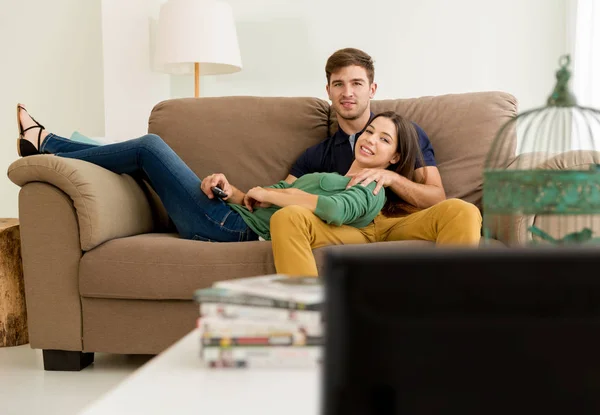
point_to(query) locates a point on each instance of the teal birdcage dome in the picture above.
(547, 191)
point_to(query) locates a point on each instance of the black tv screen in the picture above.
(462, 331)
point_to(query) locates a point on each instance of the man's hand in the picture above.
(383, 177)
(256, 197)
(217, 179)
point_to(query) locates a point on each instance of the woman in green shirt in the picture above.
(381, 145)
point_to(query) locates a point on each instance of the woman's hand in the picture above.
(256, 197)
(217, 179)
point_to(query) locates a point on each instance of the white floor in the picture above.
(26, 388)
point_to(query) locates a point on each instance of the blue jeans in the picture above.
(193, 213)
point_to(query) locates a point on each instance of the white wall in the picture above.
(86, 65)
(131, 88)
(52, 61)
(425, 47)
(586, 83)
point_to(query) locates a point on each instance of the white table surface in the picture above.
(177, 382)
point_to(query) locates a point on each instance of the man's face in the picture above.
(350, 92)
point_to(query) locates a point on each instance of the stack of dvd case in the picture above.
(267, 321)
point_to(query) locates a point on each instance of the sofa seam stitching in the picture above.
(165, 263)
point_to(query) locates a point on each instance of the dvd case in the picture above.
(263, 357)
(306, 290)
(226, 296)
(219, 327)
(236, 311)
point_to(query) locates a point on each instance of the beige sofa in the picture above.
(104, 271)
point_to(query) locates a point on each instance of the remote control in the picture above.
(218, 192)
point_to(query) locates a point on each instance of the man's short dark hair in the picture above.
(347, 57)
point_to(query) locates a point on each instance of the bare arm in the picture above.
(251, 203)
(284, 197)
(420, 195)
(237, 197)
(353, 205)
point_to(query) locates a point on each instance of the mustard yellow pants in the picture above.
(296, 231)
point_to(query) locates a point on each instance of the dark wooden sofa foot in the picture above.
(64, 360)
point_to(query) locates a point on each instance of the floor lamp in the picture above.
(199, 37)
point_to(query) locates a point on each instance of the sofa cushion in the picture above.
(165, 267)
(252, 140)
(461, 128)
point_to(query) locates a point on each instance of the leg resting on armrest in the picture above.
(64, 360)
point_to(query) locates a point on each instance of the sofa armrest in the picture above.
(107, 205)
(51, 254)
(513, 229)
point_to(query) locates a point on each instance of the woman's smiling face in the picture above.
(377, 146)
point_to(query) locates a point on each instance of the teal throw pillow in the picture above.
(77, 136)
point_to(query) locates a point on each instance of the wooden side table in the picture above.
(13, 314)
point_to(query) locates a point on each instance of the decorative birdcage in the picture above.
(542, 173)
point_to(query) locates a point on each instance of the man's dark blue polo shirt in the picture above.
(335, 154)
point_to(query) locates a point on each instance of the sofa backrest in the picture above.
(461, 128)
(255, 140)
(252, 140)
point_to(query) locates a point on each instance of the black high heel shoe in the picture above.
(24, 147)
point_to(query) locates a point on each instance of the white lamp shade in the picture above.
(197, 31)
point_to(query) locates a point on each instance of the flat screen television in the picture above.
(462, 331)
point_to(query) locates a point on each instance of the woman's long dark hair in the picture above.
(410, 155)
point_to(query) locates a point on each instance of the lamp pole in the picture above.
(196, 79)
